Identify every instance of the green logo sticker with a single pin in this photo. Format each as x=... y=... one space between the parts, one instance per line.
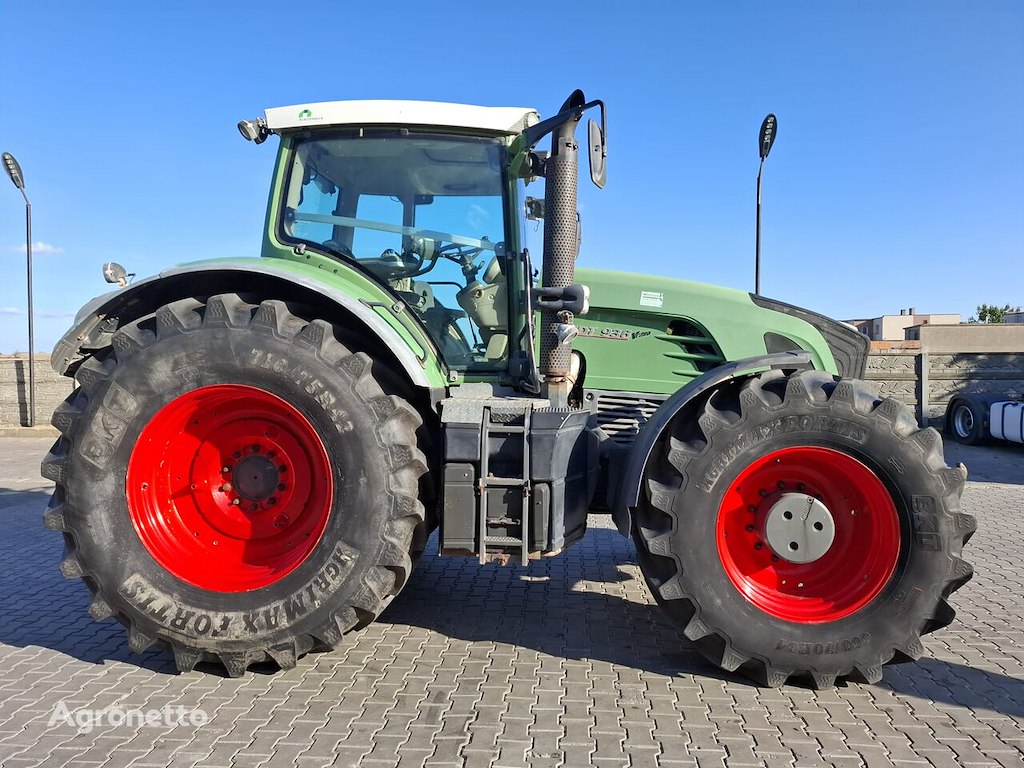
x=305 y=114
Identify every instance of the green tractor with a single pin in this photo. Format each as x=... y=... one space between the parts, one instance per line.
x=258 y=449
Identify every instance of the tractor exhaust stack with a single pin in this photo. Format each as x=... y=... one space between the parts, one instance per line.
x=561 y=246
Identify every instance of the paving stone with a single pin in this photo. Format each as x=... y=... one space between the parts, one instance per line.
x=564 y=663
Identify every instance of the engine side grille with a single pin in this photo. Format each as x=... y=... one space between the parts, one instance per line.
x=693 y=346
x=622 y=414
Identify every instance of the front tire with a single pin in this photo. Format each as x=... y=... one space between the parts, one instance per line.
x=236 y=484
x=796 y=526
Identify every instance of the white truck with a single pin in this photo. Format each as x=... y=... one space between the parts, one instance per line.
x=973 y=417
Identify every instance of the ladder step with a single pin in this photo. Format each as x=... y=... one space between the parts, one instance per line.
x=494 y=429
x=502 y=521
x=503 y=482
x=503 y=540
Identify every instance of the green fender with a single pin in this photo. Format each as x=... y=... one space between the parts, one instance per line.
x=348 y=298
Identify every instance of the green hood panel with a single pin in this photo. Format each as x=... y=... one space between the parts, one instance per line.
x=655 y=334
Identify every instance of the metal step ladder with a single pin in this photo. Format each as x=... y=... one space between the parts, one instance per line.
x=488 y=431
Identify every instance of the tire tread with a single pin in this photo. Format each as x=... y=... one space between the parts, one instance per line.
x=395 y=434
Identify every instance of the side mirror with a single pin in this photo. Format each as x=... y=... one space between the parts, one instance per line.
x=115 y=273
x=598 y=153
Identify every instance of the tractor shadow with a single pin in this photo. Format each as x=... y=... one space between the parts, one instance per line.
x=591 y=604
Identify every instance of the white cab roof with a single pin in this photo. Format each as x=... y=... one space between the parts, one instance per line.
x=502 y=120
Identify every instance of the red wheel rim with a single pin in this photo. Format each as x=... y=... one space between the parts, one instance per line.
x=229 y=487
x=856 y=567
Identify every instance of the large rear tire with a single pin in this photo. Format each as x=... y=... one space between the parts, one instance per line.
x=799 y=526
x=236 y=484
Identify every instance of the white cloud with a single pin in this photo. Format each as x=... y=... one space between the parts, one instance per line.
x=55 y=314
x=11 y=311
x=38 y=247
x=477 y=217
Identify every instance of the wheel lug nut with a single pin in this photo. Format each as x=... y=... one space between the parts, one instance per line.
x=281 y=521
x=225 y=470
x=271 y=501
x=255 y=449
x=271 y=454
x=226 y=487
x=759 y=545
x=280 y=487
x=236 y=502
x=763 y=492
x=253 y=507
x=750 y=529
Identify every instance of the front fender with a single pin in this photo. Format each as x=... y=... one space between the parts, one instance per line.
x=628 y=495
x=94 y=324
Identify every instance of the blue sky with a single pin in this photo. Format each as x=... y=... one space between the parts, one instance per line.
x=897 y=178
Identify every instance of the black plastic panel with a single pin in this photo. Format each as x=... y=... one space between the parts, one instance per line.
x=849 y=347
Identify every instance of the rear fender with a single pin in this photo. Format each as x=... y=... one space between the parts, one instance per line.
x=411 y=350
x=628 y=493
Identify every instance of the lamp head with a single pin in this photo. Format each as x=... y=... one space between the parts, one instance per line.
x=13 y=170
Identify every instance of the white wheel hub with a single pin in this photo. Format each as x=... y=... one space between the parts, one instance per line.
x=799 y=528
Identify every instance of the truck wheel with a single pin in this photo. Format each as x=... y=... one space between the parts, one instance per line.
x=233 y=483
x=799 y=526
x=967 y=422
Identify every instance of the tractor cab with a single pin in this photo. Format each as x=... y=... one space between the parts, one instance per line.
x=392 y=189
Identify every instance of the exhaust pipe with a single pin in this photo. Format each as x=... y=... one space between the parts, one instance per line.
x=559 y=299
x=561 y=247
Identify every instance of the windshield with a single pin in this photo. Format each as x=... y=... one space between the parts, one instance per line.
x=424 y=214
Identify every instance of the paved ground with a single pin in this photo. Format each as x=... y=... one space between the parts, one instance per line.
x=564 y=663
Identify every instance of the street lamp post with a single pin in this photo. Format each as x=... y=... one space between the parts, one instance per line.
x=764 y=145
x=14 y=171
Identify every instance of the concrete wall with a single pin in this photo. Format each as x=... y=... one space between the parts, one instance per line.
x=51 y=390
x=926 y=380
x=923 y=378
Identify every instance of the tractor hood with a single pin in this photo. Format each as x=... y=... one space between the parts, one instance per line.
x=655 y=334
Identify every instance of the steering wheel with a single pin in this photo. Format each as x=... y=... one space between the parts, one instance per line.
x=462 y=254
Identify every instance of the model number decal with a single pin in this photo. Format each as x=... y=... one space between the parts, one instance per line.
x=652 y=299
x=619 y=334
